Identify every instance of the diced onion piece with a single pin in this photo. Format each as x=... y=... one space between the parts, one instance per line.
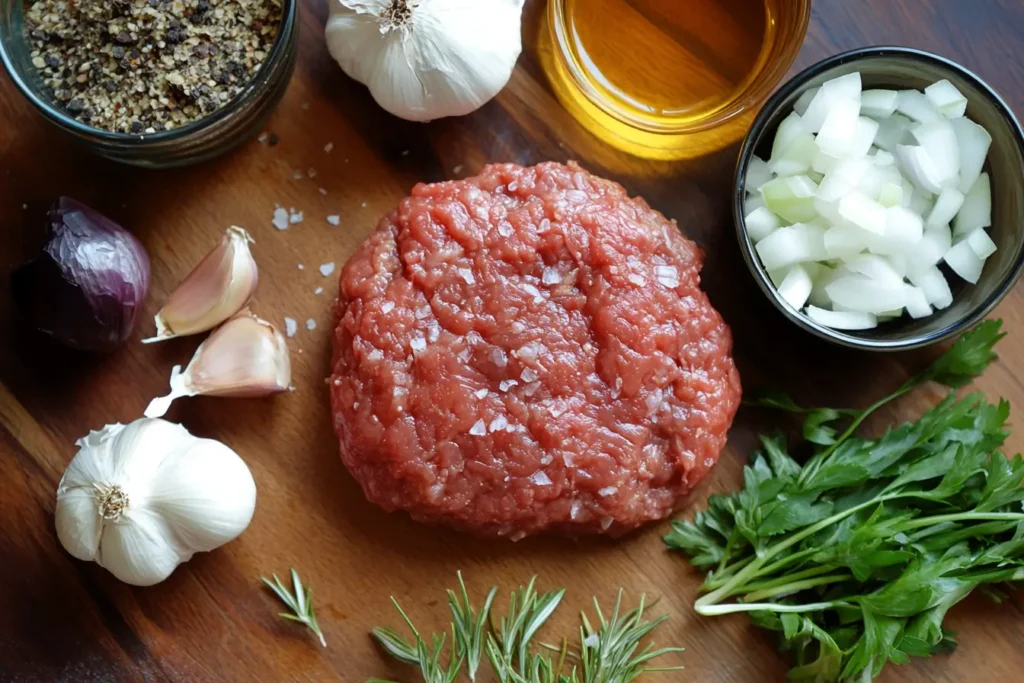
x=757 y=174
x=821 y=280
x=790 y=129
x=917 y=303
x=871 y=182
x=878 y=104
x=802 y=102
x=875 y=268
x=973 y=142
x=903 y=230
x=946 y=207
x=842 y=320
x=898 y=262
x=920 y=167
x=752 y=203
x=796 y=158
x=792 y=198
x=981 y=243
x=863 y=137
x=930 y=249
x=863 y=212
x=794 y=244
x=934 y=286
x=976 y=211
x=939 y=139
x=921 y=201
x=914 y=104
x=858 y=293
x=777 y=276
x=796 y=287
x=839 y=131
x=823 y=163
x=830 y=93
x=760 y=223
x=882 y=158
x=908 y=193
x=891 y=132
x=844 y=241
x=891 y=194
x=962 y=260
x=947 y=99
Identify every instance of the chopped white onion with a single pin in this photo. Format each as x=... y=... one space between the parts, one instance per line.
x=802 y=102
x=981 y=243
x=973 y=141
x=792 y=198
x=947 y=99
x=760 y=223
x=839 y=130
x=976 y=211
x=757 y=174
x=878 y=104
x=830 y=93
x=796 y=287
x=963 y=261
x=875 y=183
x=914 y=104
x=946 y=207
x=917 y=303
x=842 y=320
x=939 y=139
x=794 y=244
x=859 y=293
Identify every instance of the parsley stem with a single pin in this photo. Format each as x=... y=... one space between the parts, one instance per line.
x=797 y=586
x=783 y=580
x=962 y=517
x=732 y=608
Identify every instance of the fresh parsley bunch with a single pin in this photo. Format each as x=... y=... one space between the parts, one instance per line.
x=856 y=555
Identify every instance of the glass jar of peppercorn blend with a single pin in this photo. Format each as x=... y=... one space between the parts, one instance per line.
x=152 y=83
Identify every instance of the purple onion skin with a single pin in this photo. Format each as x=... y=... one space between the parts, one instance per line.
x=87 y=287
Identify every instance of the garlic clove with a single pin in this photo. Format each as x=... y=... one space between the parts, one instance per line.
x=206 y=494
x=245 y=357
x=215 y=290
x=140 y=550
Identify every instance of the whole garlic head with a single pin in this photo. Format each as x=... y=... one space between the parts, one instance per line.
x=425 y=59
x=141 y=499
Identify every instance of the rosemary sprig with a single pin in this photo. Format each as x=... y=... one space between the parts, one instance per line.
x=300 y=603
x=608 y=653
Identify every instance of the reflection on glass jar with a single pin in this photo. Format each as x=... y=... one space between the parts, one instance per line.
x=669 y=79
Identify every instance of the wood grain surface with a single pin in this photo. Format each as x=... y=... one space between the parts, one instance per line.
x=64 y=620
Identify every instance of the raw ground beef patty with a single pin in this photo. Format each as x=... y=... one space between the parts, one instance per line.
x=529 y=350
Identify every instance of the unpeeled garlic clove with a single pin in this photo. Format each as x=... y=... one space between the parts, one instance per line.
x=215 y=290
x=244 y=357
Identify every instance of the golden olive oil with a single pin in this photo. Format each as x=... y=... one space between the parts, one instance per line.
x=642 y=73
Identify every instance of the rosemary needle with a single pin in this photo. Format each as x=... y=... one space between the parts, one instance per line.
x=300 y=603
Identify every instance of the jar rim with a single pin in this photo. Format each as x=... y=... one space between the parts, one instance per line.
x=61 y=118
x=754 y=90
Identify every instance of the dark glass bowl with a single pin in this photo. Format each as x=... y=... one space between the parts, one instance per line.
x=201 y=140
x=898 y=67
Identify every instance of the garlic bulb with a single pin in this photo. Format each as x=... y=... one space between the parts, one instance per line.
x=141 y=499
x=215 y=290
x=425 y=59
x=244 y=357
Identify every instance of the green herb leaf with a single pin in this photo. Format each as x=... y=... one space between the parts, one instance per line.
x=300 y=602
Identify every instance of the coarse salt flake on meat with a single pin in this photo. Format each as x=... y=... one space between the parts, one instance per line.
x=560 y=368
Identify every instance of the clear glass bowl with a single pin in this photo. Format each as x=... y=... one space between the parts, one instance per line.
x=687 y=134
x=211 y=136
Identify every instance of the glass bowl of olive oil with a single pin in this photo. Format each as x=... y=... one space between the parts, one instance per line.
x=669 y=79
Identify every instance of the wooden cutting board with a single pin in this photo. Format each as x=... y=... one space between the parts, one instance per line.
x=64 y=620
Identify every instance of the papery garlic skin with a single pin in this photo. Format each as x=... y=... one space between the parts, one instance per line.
x=244 y=357
x=426 y=59
x=140 y=499
x=216 y=289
